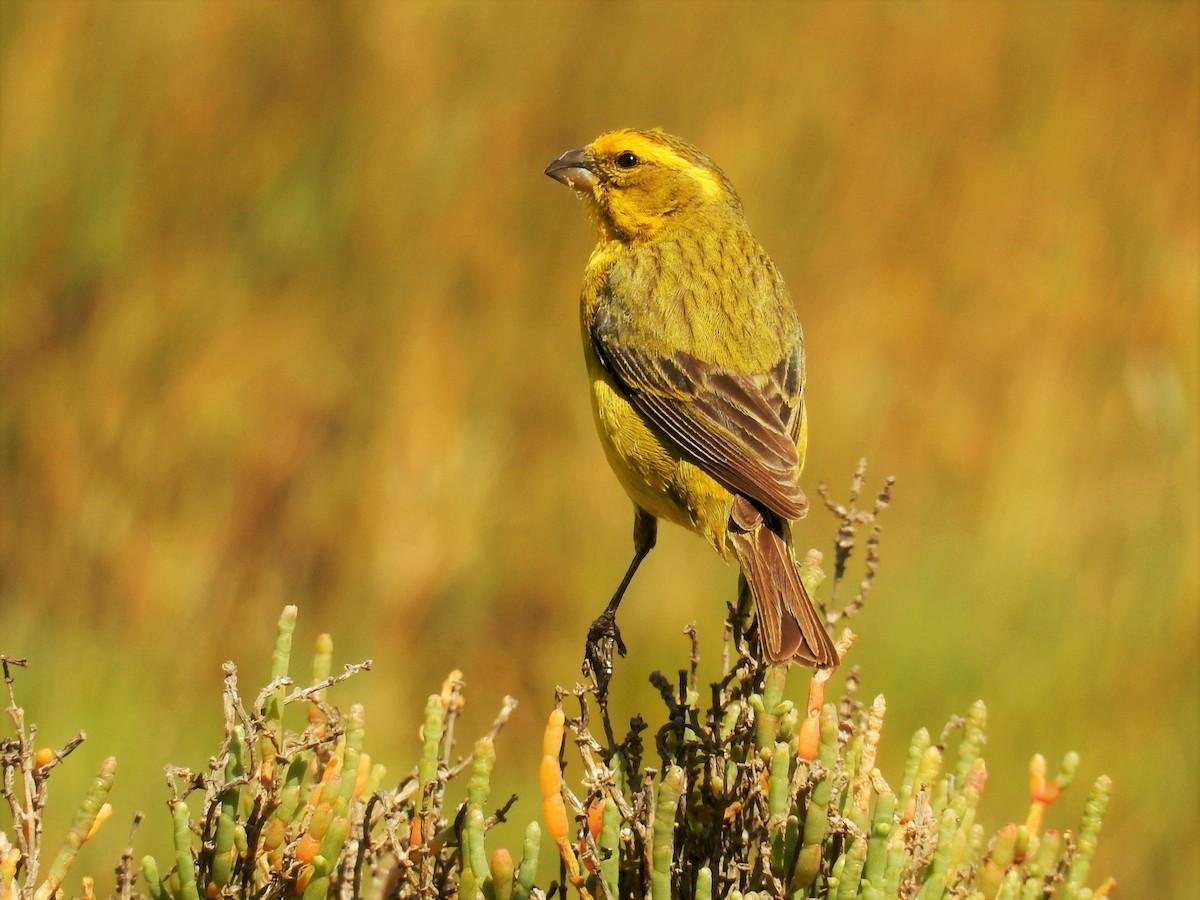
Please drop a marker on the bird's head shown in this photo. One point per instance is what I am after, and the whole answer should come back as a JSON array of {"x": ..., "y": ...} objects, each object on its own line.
[{"x": 639, "y": 183}]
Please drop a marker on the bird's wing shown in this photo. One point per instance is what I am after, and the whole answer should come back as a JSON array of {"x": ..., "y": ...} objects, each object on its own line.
[{"x": 740, "y": 428}]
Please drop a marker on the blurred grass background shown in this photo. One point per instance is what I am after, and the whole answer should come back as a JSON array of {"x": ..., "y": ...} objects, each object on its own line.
[{"x": 289, "y": 316}]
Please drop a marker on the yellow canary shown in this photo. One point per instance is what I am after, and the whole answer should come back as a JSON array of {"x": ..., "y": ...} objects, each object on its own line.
[{"x": 696, "y": 361}]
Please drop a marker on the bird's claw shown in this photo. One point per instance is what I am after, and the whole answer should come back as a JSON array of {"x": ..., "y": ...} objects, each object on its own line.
[{"x": 603, "y": 637}]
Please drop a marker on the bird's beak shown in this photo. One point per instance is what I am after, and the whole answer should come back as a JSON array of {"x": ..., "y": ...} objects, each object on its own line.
[{"x": 573, "y": 170}]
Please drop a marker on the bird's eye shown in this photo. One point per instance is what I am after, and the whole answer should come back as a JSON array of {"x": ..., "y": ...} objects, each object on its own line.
[{"x": 626, "y": 160}]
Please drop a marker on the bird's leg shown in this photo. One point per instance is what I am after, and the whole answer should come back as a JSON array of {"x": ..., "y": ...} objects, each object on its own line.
[{"x": 603, "y": 635}]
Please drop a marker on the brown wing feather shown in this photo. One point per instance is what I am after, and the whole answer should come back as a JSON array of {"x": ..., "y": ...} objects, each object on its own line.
[{"x": 739, "y": 428}]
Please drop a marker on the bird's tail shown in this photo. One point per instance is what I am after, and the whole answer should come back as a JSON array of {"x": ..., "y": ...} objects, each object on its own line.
[{"x": 788, "y": 624}]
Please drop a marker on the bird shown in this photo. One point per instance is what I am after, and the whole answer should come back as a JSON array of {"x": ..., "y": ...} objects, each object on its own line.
[{"x": 696, "y": 363}]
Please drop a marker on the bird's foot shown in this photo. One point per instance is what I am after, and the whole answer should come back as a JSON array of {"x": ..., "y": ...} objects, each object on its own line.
[{"x": 603, "y": 637}]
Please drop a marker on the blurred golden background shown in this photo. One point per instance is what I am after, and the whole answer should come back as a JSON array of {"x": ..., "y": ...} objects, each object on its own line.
[{"x": 289, "y": 316}]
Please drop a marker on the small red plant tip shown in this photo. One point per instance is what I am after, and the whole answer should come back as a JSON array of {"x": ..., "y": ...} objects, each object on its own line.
[
  {"x": 501, "y": 865},
  {"x": 1037, "y": 775},
  {"x": 809, "y": 740},
  {"x": 416, "y": 838},
  {"x": 1039, "y": 790},
  {"x": 1106, "y": 889},
  {"x": 595, "y": 819},
  {"x": 553, "y": 807},
  {"x": 307, "y": 847}
]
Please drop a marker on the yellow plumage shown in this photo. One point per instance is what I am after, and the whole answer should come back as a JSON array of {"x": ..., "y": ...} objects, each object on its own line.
[{"x": 696, "y": 361}]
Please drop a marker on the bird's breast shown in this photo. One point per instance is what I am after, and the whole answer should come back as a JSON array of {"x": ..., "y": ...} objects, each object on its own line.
[{"x": 653, "y": 473}]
